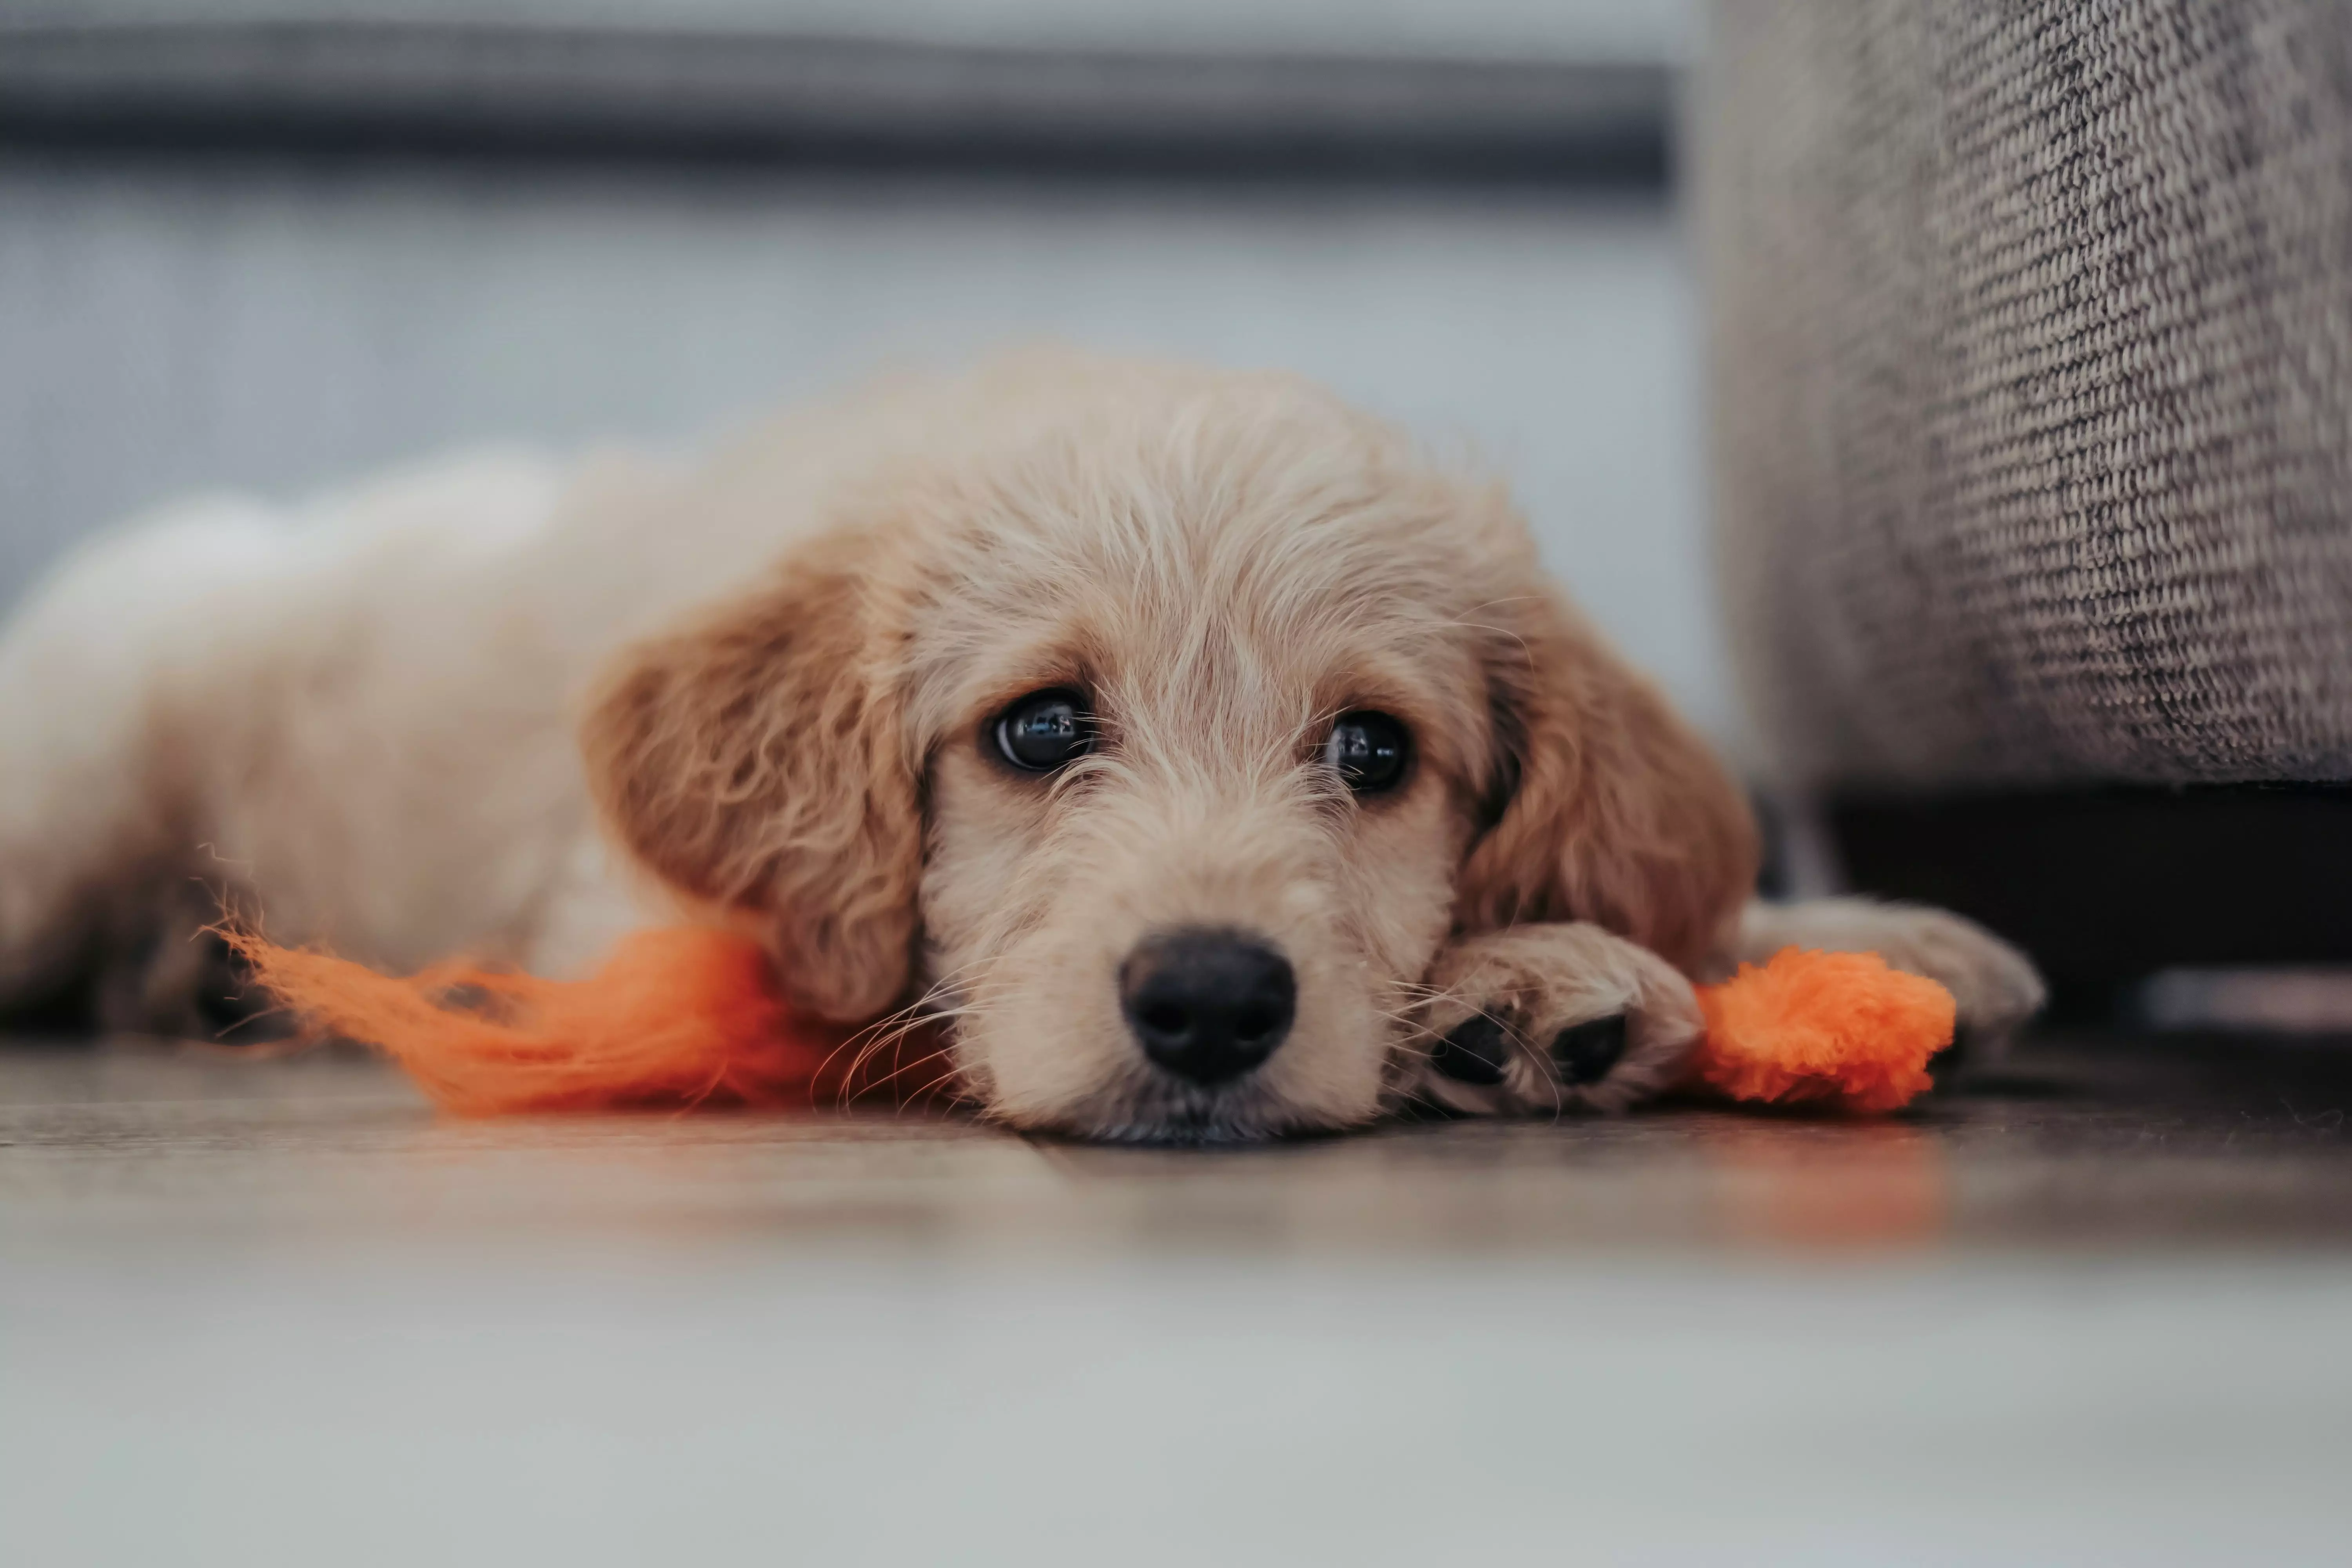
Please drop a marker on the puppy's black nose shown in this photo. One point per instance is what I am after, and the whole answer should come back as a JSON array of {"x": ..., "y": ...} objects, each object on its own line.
[{"x": 1207, "y": 1005}]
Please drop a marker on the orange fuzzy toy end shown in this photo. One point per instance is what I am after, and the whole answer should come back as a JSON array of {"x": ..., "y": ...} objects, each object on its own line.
[
  {"x": 1837, "y": 1027},
  {"x": 677, "y": 1016}
]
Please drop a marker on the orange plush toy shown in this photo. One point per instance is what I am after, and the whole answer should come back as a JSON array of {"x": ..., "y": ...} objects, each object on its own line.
[{"x": 683, "y": 1016}]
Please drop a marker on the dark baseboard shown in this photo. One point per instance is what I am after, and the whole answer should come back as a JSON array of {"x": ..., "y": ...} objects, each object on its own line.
[
  {"x": 464, "y": 89},
  {"x": 2106, "y": 886}
]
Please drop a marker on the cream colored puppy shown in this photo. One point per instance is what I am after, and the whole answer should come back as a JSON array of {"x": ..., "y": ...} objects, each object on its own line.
[{"x": 1220, "y": 767}]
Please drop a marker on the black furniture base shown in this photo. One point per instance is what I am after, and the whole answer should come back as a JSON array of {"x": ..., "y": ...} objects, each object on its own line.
[{"x": 2106, "y": 886}]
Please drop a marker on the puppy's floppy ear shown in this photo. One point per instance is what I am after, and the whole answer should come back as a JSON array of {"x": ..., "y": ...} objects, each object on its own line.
[
  {"x": 1607, "y": 807},
  {"x": 755, "y": 760}
]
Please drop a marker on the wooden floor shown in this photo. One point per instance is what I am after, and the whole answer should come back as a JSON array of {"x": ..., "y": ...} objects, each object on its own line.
[{"x": 2098, "y": 1306}]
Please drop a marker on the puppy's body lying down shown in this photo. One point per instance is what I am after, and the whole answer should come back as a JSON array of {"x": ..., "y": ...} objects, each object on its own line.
[{"x": 1219, "y": 766}]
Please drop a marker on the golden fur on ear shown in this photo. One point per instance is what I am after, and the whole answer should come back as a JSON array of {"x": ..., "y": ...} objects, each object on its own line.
[
  {"x": 754, "y": 760},
  {"x": 1613, "y": 811}
]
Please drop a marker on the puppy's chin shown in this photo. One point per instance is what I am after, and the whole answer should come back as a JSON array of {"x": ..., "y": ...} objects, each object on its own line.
[
  {"x": 1156, "y": 1109},
  {"x": 1163, "y": 1113}
]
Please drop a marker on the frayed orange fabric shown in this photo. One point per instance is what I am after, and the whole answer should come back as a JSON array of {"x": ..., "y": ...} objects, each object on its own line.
[
  {"x": 1840, "y": 1029},
  {"x": 677, "y": 1016}
]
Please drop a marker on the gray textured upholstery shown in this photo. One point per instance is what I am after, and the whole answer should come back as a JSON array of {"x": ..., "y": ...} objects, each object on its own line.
[{"x": 2032, "y": 327}]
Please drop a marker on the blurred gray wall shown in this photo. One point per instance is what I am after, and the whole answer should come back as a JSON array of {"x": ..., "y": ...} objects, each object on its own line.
[
  {"x": 273, "y": 328},
  {"x": 271, "y": 323},
  {"x": 1471, "y": 29}
]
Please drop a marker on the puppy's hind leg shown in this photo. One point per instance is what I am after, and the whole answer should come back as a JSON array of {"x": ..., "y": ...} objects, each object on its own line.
[
  {"x": 97, "y": 839},
  {"x": 1996, "y": 987},
  {"x": 1543, "y": 1018}
]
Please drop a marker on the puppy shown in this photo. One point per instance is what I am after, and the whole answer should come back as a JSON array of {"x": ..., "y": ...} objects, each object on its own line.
[{"x": 1215, "y": 764}]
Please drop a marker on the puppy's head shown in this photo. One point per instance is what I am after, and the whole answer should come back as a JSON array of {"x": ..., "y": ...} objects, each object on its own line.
[{"x": 1161, "y": 745}]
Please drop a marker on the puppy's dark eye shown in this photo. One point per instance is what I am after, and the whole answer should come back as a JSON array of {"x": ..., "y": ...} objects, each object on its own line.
[
  {"x": 1045, "y": 729},
  {"x": 1368, "y": 751}
]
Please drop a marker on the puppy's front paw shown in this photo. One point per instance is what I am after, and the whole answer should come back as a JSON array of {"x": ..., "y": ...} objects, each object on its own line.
[{"x": 1544, "y": 1019}]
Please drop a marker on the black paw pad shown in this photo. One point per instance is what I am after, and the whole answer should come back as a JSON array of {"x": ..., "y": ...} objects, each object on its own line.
[
  {"x": 1475, "y": 1052},
  {"x": 1585, "y": 1052}
]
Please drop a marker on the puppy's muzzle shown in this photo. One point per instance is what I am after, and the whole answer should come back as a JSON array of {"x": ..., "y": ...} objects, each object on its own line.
[{"x": 1207, "y": 1005}]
